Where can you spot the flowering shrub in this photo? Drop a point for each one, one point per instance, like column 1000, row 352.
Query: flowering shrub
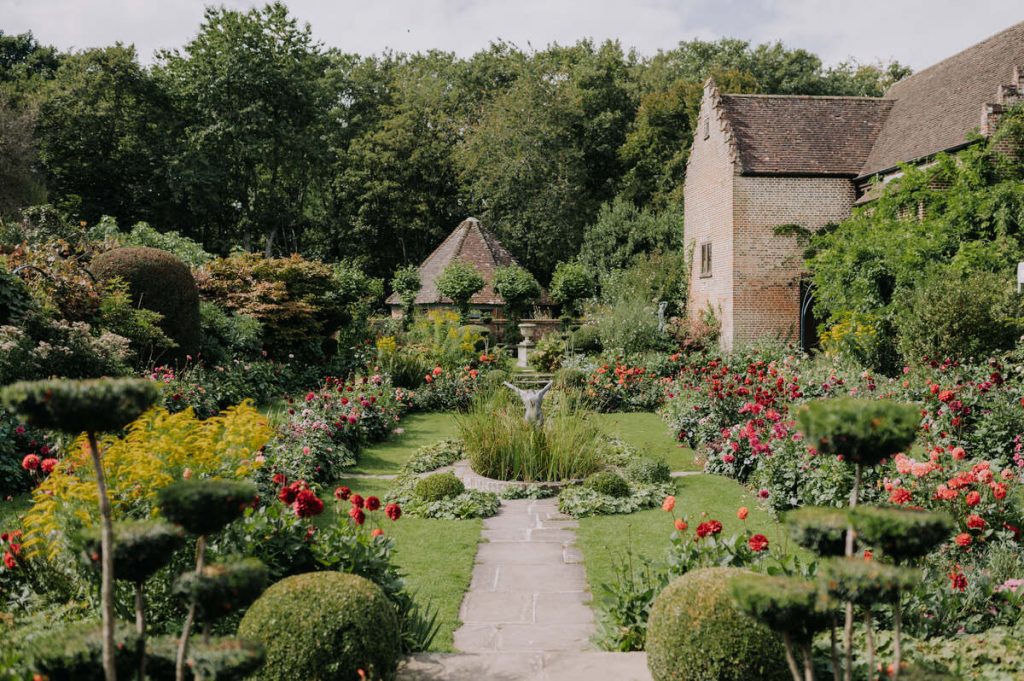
column 619, row 385
column 325, row 430
column 448, row 389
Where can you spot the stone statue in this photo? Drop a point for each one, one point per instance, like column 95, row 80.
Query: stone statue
column 532, row 400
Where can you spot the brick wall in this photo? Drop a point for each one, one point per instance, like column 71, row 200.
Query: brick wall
column 708, row 216
column 767, row 266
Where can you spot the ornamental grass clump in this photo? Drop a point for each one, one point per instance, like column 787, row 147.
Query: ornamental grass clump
column 93, row 406
column 501, row 445
column 324, row 625
column 792, row 607
column 203, row 507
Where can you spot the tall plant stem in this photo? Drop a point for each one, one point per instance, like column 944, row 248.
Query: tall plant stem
column 897, row 644
column 850, row 535
column 837, row 671
column 794, row 669
column 871, row 644
column 140, row 627
column 107, row 566
column 186, row 631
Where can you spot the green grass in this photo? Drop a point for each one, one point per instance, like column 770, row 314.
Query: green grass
column 604, row 540
column 436, row 557
column 650, row 434
column 11, row 510
column 420, row 429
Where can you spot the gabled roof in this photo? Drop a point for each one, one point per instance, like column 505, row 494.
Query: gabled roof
column 935, row 109
column 471, row 243
column 803, row 135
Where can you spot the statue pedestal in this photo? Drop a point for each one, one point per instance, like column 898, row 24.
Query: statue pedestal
column 523, row 355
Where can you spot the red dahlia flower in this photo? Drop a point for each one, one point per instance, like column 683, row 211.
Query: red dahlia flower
column 963, row 539
column 357, row 515
column 356, row 501
column 30, row 462
column 973, row 498
column 342, row 493
column 958, row 582
column 710, row 527
column 9, row 561
column 47, row 465
column 307, row 504
column 372, row 503
column 758, row 543
column 288, row 494
column 393, row 511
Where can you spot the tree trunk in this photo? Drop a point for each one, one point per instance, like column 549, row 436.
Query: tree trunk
column 808, row 661
column 837, row 671
column 179, row 665
column 791, row 659
column 897, row 644
column 107, row 566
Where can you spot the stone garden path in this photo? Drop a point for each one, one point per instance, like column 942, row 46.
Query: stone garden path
column 525, row 616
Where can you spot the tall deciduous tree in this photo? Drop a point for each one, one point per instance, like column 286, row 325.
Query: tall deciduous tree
column 249, row 89
column 100, row 136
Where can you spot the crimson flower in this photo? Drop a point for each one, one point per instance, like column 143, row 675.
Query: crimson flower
column 357, row 515
column 342, row 493
column 975, row 522
column 288, row 494
column 307, row 504
column 758, row 543
column 9, row 561
column 47, row 465
column 279, row 479
column 958, row 581
column 963, row 539
column 393, row 511
column 356, row 501
column 710, row 527
column 973, row 498
column 372, row 503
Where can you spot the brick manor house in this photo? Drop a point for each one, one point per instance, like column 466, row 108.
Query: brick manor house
column 761, row 161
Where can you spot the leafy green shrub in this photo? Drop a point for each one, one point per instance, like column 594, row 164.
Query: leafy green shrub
column 548, row 354
column 160, row 282
column 141, row 547
column 580, row 501
column 228, row 336
column 819, row 529
column 468, row 503
column 75, row 650
column 864, row 431
column 518, row 288
column 406, row 284
column 15, row 298
column 205, row 506
column 643, row 469
column 957, row 315
column 902, row 534
column 587, row 339
column 40, row 347
column 571, row 284
column 696, row 633
column 223, row 588
column 324, row 625
column 439, row 486
column 98, row 405
column 431, row 457
column 459, row 282
column 606, row 482
column 140, row 326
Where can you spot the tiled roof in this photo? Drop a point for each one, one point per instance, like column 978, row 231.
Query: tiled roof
column 470, row 243
column 803, row 135
column 935, row 109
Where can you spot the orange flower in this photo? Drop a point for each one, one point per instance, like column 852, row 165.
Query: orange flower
column 963, row 539
column 681, row 525
column 742, row 513
column 377, row 532
column 669, row 503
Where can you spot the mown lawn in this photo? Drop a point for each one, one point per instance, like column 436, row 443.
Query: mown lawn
column 650, row 434
column 419, row 430
column 436, row 556
column 605, row 540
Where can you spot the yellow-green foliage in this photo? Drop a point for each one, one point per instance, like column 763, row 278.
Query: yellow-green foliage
column 443, row 339
column 157, row 450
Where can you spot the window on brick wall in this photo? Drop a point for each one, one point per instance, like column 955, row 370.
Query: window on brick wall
column 705, row 260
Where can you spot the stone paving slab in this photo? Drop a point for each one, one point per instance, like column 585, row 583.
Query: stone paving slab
column 590, row 666
column 519, row 553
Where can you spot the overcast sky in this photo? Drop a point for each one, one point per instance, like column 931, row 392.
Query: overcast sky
column 916, row 32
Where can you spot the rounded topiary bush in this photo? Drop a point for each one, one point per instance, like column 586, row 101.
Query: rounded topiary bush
column 822, row 529
column 141, row 547
column 324, row 625
column 864, row 431
column 696, row 633
column 439, row 486
column 608, row 483
column 901, row 533
column 74, row 651
column 223, row 588
column 161, row 282
column 205, row 506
